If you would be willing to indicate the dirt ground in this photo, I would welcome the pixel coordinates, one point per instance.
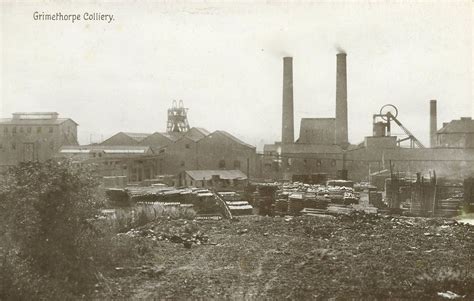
(349, 257)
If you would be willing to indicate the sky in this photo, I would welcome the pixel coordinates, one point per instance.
(224, 60)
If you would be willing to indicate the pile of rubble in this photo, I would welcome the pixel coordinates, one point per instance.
(180, 232)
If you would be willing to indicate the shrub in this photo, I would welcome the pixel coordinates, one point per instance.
(46, 216)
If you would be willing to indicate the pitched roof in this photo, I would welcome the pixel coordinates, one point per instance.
(196, 134)
(136, 136)
(464, 125)
(223, 174)
(11, 121)
(173, 136)
(235, 139)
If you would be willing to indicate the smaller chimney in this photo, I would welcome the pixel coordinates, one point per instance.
(433, 123)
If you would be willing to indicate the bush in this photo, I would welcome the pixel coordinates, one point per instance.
(46, 218)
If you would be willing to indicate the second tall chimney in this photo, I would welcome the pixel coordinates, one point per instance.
(341, 133)
(433, 123)
(287, 133)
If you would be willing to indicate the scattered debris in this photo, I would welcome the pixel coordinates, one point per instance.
(449, 295)
(242, 231)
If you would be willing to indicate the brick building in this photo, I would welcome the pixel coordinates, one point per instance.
(34, 136)
(457, 134)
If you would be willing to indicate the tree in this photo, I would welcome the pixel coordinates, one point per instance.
(46, 217)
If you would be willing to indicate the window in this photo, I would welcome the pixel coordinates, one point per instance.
(1, 146)
(222, 164)
(38, 129)
(333, 162)
(318, 163)
(13, 146)
(51, 145)
(236, 164)
(21, 129)
(188, 146)
(14, 130)
(51, 129)
(182, 163)
(5, 130)
(28, 129)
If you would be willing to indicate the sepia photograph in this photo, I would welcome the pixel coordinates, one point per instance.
(236, 150)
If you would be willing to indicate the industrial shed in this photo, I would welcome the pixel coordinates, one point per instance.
(213, 178)
(123, 138)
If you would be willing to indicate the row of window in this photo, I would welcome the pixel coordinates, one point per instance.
(28, 129)
(236, 164)
(221, 164)
(13, 146)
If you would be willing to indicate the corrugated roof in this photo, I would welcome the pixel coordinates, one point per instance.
(464, 125)
(11, 121)
(75, 151)
(223, 174)
(112, 149)
(124, 151)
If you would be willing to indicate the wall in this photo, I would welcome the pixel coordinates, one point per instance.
(34, 142)
(461, 140)
(317, 131)
(179, 156)
(217, 149)
(447, 162)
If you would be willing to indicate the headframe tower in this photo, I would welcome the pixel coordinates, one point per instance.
(177, 118)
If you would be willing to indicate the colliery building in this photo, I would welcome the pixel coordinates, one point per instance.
(320, 151)
(34, 137)
(323, 147)
(141, 157)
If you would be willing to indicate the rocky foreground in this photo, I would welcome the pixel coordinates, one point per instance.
(345, 257)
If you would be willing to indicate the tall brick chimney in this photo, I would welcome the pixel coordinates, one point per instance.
(433, 122)
(287, 131)
(341, 137)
